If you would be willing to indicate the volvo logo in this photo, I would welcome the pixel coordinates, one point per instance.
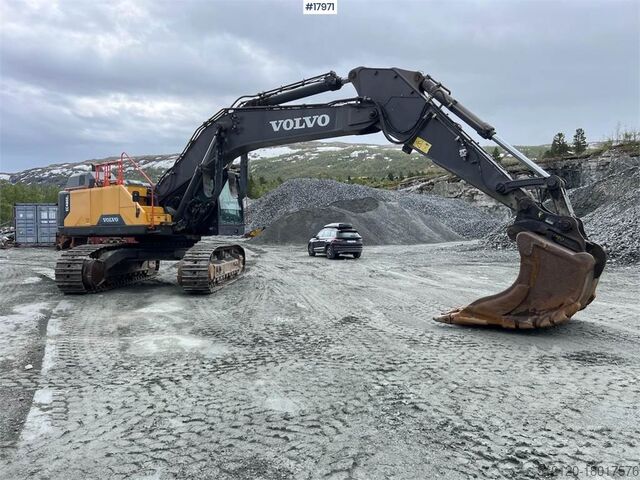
(110, 220)
(298, 123)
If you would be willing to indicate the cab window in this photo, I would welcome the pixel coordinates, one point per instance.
(230, 211)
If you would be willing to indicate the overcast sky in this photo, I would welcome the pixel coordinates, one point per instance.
(89, 79)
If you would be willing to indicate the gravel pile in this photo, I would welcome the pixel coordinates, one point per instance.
(298, 209)
(610, 210)
(497, 239)
(615, 222)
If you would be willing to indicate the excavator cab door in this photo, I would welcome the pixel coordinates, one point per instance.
(230, 211)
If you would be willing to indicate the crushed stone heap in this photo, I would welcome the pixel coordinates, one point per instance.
(299, 208)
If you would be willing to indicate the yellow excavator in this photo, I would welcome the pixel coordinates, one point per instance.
(123, 229)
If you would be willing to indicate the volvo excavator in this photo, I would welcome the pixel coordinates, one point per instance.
(128, 227)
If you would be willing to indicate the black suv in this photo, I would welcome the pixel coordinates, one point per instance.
(334, 239)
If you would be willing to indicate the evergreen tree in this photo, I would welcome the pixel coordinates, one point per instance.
(390, 176)
(496, 154)
(559, 145)
(262, 181)
(10, 194)
(252, 189)
(579, 141)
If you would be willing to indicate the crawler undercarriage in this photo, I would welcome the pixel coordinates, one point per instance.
(203, 268)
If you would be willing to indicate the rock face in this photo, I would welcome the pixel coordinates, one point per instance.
(611, 209)
(585, 171)
(576, 172)
(297, 209)
(608, 203)
(449, 186)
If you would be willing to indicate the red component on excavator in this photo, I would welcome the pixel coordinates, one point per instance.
(104, 173)
(553, 284)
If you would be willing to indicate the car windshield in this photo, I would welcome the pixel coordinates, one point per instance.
(348, 234)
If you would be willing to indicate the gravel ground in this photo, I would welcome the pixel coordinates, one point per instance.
(307, 368)
(422, 218)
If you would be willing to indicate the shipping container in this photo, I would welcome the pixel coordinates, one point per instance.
(36, 224)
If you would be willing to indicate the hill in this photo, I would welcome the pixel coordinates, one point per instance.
(364, 163)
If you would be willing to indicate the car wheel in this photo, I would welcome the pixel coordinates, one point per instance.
(331, 253)
(311, 251)
(357, 254)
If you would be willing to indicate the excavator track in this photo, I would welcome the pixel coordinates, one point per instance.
(80, 270)
(206, 268)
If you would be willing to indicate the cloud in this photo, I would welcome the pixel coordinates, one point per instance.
(88, 79)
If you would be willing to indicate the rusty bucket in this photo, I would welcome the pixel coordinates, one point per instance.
(553, 284)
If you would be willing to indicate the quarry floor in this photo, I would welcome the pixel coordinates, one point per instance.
(308, 368)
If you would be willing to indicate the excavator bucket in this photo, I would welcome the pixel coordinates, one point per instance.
(553, 284)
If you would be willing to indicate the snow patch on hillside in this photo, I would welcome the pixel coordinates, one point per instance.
(163, 164)
(311, 154)
(271, 152)
(328, 149)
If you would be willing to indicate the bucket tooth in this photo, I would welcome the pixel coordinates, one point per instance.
(552, 285)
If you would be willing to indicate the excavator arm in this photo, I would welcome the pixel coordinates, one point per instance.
(559, 267)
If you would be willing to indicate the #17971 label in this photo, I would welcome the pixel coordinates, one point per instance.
(327, 7)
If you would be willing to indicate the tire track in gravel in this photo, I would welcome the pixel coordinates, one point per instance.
(308, 368)
(511, 460)
(499, 367)
(23, 324)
